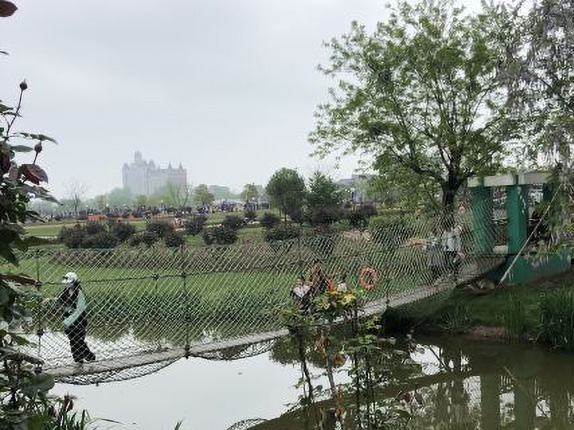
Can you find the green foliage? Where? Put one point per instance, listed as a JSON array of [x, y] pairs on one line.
[[282, 232], [94, 227], [324, 215], [233, 222], [174, 240], [392, 230], [101, 240], [123, 231], [202, 196], [120, 197], [286, 190], [324, 192], [72, 237], [514, 318], [160, 228], [220, 235], [455, 319], [557, 319], [421, 93], [195, 224], [269, 220], [147, 238]]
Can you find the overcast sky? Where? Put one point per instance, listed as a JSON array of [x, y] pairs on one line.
[[226, 87]]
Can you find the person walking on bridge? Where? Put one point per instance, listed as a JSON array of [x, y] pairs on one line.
[[453, 250], [73, 301]]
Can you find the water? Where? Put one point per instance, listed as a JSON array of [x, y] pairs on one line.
[[463, 384]]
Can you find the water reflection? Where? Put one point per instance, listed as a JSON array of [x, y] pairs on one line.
[[466, 385]]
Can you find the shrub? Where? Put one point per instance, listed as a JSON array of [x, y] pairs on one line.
[[194, 225], [225, 235], [250, 214], [208, 236], [174, 240], [101, 240], [94, 227], [220, 235], [123, 231], [72, 237], [324, 216], [233, 222], [282, 232], [297, 216], [392, 231], [359, 218], [269, 220], [147, 238], [160, 228], [557, 319]]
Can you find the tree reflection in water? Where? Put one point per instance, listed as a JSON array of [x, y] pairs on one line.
[[462, 385]]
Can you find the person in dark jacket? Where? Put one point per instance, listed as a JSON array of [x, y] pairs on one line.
[[318, 279], [73, 301]]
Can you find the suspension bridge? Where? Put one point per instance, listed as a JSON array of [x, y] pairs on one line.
[[150, 307]]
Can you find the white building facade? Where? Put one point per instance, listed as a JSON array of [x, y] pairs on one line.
[[143, 177]]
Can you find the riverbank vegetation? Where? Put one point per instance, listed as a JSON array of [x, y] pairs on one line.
[[540, 311]]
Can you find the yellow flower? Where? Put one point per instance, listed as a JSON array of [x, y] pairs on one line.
[[348, 298]]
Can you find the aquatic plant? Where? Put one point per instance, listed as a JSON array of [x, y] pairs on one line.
[[514, 318], [556, 327]]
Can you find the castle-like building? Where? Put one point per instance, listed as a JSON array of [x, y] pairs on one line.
[[144, 177]]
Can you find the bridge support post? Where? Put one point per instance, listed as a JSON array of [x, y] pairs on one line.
[[482, 220], [490, 402], [517, 212]]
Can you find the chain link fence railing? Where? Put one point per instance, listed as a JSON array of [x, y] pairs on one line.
[[143, 301]]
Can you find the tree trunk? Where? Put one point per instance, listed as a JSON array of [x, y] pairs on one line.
[[448, 198]]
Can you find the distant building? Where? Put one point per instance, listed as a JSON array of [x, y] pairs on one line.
[[356, 185], [144, 177]]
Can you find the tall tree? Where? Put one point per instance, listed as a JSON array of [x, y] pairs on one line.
[[539, 58], [422, 95], [203, 196], [250, 193], [286, 190]]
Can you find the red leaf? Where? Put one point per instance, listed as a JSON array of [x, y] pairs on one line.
[[24, 280], [7, 8], [33, 173]]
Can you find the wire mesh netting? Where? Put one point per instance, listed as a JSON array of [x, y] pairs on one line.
[[143, 302]]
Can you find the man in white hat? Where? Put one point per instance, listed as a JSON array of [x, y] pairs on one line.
[[73, 301]]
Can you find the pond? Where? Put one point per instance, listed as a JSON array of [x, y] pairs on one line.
[[459, 384]]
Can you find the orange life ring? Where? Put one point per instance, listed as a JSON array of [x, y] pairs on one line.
[[368, 278]]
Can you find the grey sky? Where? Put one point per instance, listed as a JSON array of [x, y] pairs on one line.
[[227, 87]]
